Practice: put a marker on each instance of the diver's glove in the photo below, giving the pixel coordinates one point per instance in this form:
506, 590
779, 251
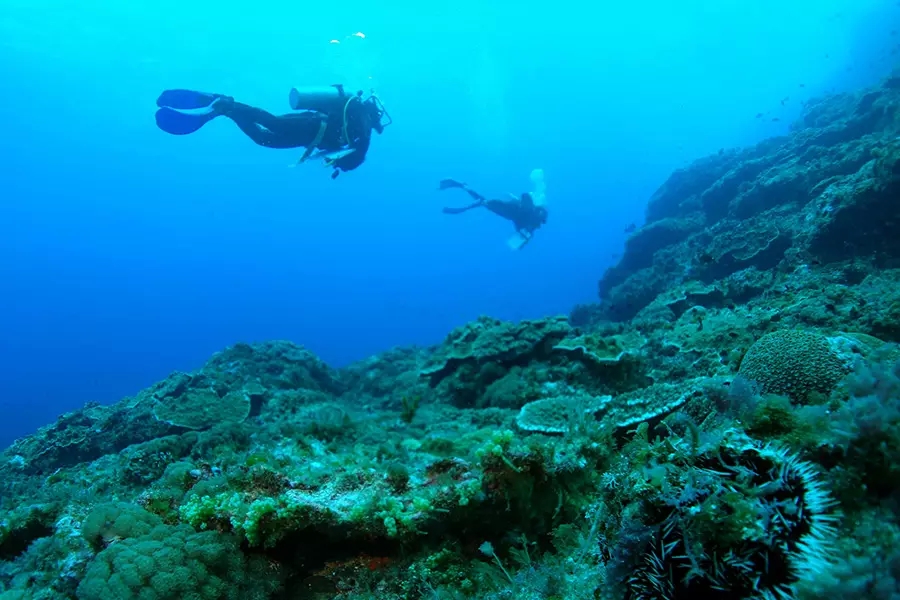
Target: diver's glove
331, 162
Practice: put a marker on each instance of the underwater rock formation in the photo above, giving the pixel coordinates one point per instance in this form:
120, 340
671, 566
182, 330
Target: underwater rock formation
486, 352
724, 424
824, 194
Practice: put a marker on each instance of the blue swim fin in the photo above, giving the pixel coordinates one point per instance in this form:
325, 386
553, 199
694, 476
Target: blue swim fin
447, 184
179, 123
185, 99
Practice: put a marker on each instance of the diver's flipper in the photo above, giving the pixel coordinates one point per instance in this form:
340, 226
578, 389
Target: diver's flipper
455, 211
179, 123
186, 99
448, 184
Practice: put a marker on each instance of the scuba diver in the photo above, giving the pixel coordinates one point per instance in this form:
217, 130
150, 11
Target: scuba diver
331, 124
526, 215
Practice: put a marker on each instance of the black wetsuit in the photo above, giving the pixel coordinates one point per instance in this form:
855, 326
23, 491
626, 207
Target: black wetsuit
524, 214
301, 129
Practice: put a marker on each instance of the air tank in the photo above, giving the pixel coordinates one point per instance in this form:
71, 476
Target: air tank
320, 98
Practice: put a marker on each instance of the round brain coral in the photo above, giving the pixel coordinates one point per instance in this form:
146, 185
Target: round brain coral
796, 363
173, 563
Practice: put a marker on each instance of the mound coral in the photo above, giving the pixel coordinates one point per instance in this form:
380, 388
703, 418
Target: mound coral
797, 363
165, 562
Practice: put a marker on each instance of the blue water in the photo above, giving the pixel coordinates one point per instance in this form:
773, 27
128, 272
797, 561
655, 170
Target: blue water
126, 253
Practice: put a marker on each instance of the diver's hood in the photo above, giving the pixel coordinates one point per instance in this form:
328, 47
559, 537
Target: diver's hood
384, 117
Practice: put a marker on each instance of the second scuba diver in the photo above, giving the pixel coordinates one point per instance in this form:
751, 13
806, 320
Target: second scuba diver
331, 123
526, 215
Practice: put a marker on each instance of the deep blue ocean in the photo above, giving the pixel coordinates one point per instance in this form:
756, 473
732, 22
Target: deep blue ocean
127, 253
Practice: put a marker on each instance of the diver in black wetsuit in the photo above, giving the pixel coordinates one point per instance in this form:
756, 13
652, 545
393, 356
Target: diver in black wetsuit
526, 216
337, 125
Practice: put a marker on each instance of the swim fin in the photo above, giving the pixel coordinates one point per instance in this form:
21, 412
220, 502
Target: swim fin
180, 123
186, 99
447, 184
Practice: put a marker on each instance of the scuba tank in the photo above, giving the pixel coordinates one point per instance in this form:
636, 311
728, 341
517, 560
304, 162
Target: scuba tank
324, 99
330, 102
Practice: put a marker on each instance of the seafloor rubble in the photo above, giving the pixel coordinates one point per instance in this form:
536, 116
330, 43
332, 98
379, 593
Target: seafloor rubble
725, 423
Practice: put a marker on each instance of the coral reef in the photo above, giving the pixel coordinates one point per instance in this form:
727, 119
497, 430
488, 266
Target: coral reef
790, 202
798, 363
723, 424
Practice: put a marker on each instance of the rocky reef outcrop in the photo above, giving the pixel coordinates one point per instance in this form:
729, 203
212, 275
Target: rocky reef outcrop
823, 196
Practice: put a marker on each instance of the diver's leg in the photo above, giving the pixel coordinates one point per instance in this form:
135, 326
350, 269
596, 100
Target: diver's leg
271, 131
448, 184
462, 209
254, 122
475, 195
512, 211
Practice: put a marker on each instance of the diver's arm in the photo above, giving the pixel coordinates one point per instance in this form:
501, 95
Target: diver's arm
355, 158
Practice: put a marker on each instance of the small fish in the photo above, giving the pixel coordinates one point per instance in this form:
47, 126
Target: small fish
630, 227
802, 85
759, 115
705, 258
775, 119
